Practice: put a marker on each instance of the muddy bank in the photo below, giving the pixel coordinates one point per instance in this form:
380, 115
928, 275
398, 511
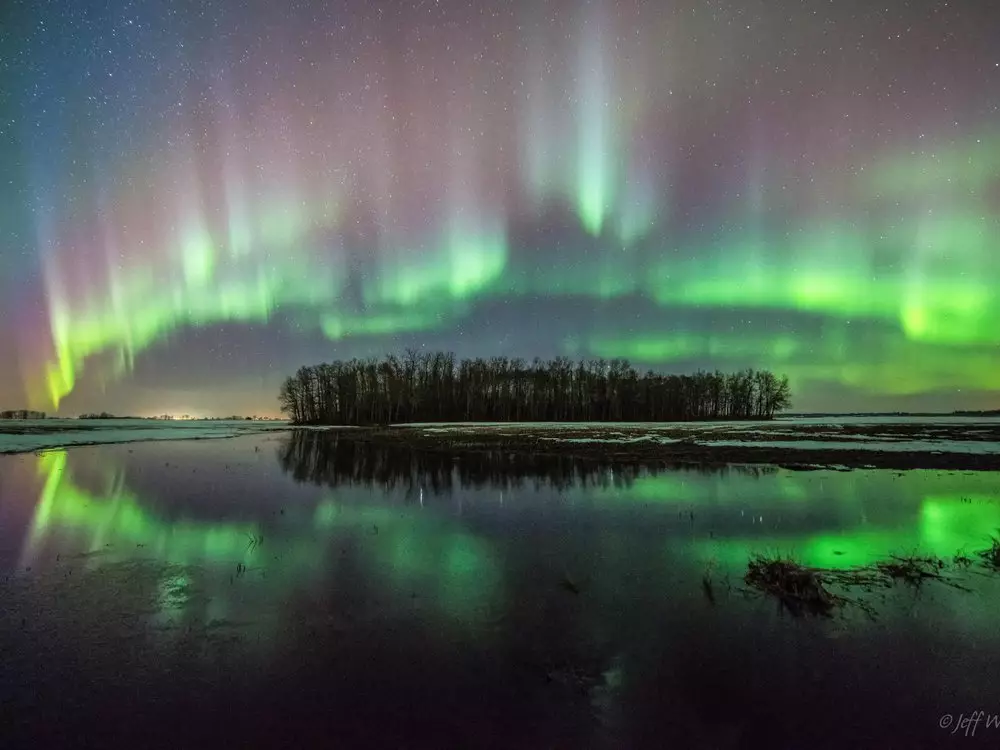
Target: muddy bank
781, 443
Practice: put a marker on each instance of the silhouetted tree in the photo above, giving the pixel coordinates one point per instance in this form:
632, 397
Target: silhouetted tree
423, 387
22, 414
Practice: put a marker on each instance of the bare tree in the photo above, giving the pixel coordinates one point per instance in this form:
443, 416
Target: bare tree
425, 386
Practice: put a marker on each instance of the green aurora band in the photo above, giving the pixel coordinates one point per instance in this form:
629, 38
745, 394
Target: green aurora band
254, 217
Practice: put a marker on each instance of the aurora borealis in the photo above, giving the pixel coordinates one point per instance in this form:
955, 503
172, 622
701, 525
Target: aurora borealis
199, 197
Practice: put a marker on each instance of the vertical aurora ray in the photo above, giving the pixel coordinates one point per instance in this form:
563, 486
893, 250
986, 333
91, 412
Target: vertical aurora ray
475, 232
541, 119
638, 213
595, 173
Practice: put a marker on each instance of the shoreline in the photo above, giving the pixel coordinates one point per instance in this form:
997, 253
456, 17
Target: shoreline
701, 444
797, 445
25, 436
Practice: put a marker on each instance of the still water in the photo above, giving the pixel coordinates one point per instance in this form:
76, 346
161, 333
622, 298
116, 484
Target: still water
303, 589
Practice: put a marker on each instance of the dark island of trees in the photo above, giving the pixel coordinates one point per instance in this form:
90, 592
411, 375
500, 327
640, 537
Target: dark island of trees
436, 387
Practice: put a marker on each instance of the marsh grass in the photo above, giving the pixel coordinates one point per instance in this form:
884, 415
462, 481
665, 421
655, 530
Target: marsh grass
810, 591
707, 583
800, 589
961, 559
912, 570
991, 555
708, 587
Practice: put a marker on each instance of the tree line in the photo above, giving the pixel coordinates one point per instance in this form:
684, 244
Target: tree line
437, 387
22, 414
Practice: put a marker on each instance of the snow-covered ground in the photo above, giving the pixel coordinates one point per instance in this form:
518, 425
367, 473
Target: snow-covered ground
617, 439
978, 447
19, 436
942, 419
777, 423
944, 434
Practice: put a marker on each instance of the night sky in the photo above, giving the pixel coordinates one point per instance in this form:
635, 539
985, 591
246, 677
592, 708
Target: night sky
198, 197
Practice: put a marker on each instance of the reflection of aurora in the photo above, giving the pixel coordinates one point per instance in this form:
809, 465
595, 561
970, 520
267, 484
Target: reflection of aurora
411, 551
384, 210
829, 519
921, 512
367, 529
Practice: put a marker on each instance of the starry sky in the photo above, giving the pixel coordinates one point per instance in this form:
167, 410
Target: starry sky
198, 196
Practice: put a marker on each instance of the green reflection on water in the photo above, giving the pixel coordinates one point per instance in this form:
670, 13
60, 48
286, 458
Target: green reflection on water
660, 528
116, 517
871, 518
402, 548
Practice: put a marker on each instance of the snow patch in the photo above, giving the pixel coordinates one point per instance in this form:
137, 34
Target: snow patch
21, 436
616, 440
977, 447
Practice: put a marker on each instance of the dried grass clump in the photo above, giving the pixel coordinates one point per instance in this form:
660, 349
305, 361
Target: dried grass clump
991, 555
911, 570
800, 589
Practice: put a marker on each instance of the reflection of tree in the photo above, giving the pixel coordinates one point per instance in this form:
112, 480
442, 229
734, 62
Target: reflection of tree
337, 460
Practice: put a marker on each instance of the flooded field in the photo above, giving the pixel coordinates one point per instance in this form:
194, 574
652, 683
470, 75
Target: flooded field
306, 587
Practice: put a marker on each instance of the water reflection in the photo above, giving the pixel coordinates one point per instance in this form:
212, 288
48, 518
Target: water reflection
828, 518
431, 511
338, 460
326, 559
91, 515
